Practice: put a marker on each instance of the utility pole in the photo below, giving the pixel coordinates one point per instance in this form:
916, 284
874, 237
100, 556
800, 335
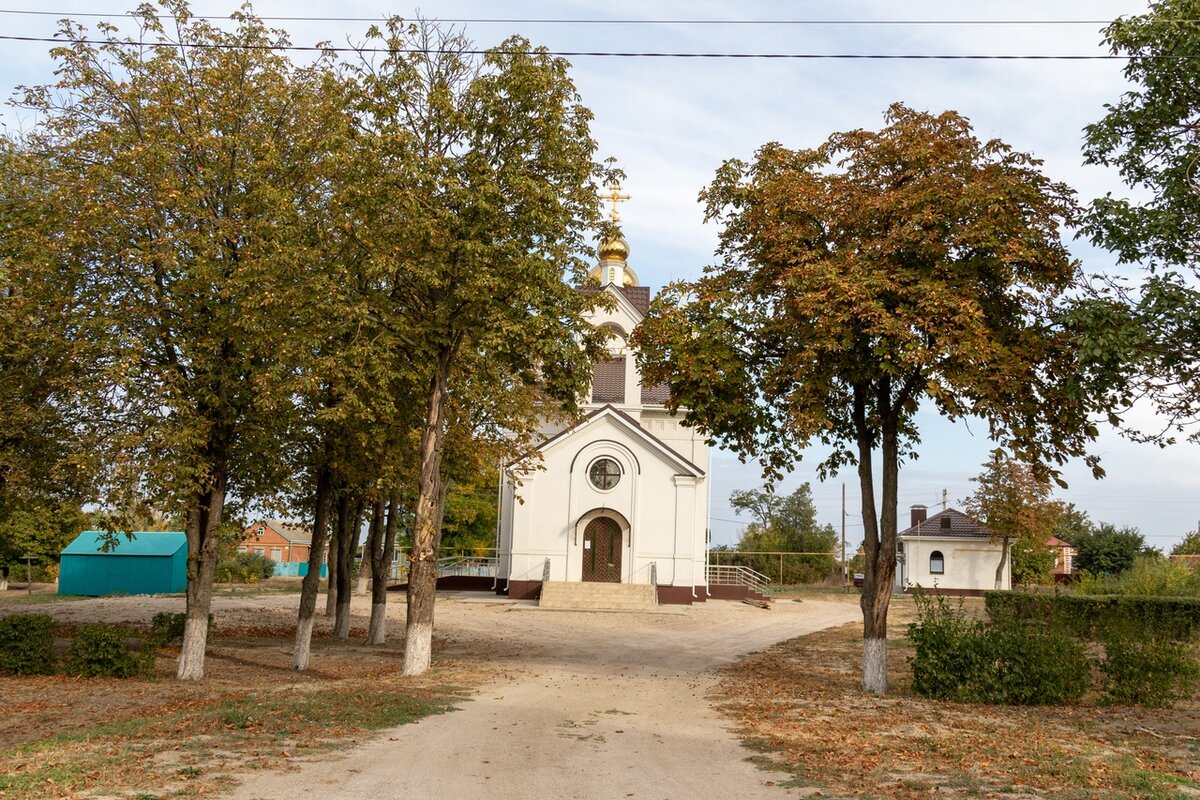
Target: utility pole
944, 493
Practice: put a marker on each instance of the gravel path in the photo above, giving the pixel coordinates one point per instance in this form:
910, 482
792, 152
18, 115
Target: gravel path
592, 706
583, 705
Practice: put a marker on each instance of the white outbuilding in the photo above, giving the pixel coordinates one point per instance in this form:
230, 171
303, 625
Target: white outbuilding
621, 497
949, 553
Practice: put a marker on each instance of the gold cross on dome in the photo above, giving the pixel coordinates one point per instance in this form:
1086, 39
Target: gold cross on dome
614, 196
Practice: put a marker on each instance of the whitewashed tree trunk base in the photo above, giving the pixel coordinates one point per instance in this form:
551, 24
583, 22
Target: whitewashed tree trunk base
418, 649
377, 631
303, 648
875, 665
4, 584
191, 654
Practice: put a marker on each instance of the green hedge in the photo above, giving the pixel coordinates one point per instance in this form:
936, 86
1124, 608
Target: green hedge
1098, 617
27, 644
964, 660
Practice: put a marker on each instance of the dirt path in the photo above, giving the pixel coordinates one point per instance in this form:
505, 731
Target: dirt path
582, 706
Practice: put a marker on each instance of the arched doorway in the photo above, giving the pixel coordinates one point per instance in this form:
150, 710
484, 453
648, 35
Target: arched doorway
602, 550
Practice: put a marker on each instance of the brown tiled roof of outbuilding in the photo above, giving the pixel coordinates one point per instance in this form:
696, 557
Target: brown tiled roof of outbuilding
950, 522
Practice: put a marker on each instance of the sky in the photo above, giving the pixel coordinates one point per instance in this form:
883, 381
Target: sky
671, 122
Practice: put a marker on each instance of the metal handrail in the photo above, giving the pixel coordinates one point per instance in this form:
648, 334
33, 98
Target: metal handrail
734, 575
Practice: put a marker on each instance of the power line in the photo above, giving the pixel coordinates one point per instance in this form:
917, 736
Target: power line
624, 54
598, 21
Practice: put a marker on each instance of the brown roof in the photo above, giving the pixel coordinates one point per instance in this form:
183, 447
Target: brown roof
950, 522
608, 381
655, 395
638, 297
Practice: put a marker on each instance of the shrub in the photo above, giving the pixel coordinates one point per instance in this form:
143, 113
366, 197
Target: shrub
245, 568
964, 660
167, 627
1147, 671
103, 650
1033, 667
27, 644
947, 646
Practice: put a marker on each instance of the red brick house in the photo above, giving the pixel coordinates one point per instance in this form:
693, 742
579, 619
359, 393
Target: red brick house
1064, 556
282, 542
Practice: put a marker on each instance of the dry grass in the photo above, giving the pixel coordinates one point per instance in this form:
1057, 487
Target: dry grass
800, 705
147, 739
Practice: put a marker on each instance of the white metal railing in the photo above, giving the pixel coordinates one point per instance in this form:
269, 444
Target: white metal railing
733, 575
483, 566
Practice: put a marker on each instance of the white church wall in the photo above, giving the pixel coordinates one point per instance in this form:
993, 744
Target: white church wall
661, 513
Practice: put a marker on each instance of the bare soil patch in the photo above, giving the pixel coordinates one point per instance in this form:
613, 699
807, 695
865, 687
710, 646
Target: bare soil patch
799, 703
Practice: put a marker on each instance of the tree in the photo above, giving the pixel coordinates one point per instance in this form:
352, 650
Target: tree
1015, 506
1151, 135
180, 169
789, 525
1189, 545
46, 448
1072, 523
485, 189
859, 279
1109, 550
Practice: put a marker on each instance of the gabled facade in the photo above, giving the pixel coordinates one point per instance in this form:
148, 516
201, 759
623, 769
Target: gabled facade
621, 497
948, 552
282, 542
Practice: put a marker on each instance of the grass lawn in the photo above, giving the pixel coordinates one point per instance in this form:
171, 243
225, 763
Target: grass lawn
158, 738
799, 705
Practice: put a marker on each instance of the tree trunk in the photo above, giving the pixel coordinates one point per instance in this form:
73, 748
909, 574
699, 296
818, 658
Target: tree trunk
422, 573
311, 586
203, 521
4, 578
331, 571
347, 534
1004, 547
378, 554
879, 531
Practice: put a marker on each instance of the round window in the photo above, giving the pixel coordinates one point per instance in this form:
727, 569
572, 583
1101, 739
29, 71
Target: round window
604, 473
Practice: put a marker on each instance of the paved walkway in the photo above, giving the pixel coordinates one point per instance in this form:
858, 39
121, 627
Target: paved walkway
584, 705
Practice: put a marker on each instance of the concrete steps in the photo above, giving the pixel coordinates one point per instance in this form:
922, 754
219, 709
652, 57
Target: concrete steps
564, 595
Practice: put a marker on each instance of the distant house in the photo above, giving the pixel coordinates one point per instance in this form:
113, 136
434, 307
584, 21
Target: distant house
285, 543
949, 553
1064, 556
146, 563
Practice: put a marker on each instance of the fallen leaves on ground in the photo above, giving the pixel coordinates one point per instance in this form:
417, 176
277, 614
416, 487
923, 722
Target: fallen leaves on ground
799, 703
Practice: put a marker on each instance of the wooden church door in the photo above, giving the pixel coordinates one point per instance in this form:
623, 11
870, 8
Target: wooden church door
602, 551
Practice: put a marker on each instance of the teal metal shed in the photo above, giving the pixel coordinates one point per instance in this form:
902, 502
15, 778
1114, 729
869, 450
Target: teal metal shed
152, 562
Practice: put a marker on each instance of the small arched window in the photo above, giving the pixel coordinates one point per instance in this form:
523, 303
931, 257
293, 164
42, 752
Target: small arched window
937, 564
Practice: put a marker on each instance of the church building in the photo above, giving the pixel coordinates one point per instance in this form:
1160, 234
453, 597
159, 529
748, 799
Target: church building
621, 497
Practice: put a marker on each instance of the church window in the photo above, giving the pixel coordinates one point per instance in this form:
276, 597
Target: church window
604, 473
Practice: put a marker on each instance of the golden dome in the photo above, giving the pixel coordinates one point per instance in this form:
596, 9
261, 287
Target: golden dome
602, 274
614, 250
